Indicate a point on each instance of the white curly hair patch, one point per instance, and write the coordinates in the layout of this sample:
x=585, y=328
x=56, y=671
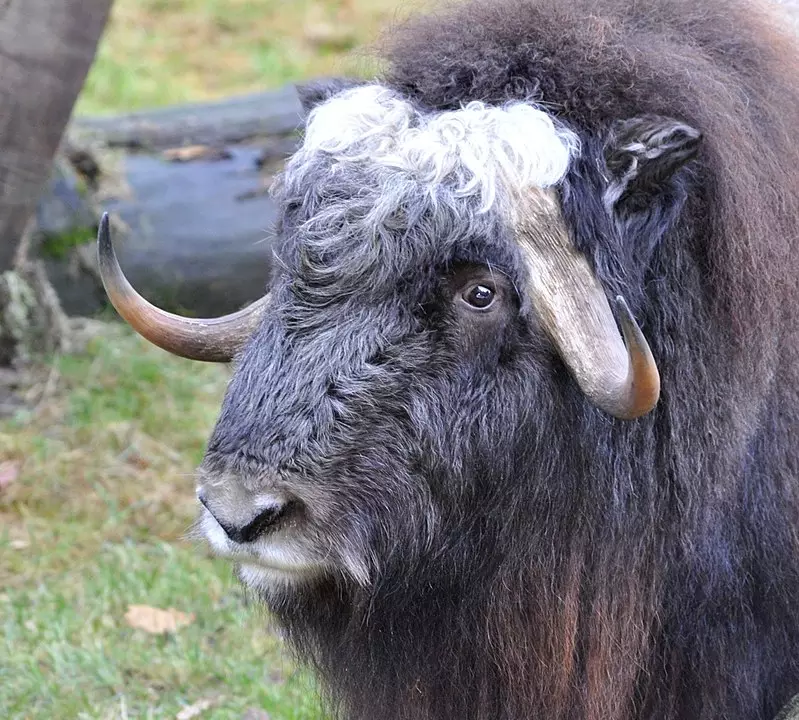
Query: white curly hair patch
x=479, y=150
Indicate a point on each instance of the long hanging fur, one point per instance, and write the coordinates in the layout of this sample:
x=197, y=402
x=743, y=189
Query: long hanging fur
x=696, y=616
x=576, y=567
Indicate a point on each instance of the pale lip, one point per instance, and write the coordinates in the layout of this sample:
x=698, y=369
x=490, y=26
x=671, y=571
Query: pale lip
x=268, y=560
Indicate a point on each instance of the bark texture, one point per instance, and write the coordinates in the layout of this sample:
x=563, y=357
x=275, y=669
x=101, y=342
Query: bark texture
x=46, y=49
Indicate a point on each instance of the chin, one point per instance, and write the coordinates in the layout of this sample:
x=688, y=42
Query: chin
x=270, y=579
x=276, y=560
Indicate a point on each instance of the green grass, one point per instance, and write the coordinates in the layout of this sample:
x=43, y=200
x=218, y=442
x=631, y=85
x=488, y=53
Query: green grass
x=159, y=52
x=94, y=523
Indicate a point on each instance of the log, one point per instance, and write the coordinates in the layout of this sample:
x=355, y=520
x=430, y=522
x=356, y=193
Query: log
x=199, y=231
x=187, y=188
x=234, y=120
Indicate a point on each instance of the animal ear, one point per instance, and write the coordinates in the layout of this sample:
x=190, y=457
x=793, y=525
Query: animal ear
x=315, y=92
x=643, y=154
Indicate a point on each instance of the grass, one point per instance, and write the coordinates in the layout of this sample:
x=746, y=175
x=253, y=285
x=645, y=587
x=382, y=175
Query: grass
x=94, y=522
x=158, y=52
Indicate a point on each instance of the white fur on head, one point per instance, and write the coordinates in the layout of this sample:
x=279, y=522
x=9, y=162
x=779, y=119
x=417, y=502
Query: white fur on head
x=476, y=151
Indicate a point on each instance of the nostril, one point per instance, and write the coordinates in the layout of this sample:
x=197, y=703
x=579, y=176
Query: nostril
x=266, y=520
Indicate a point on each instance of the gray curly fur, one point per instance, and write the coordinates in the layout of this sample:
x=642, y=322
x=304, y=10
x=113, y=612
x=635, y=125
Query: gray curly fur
x=790, y=711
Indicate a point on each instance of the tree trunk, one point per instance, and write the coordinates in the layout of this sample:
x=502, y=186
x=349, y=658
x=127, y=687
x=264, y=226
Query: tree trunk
x=46, y=49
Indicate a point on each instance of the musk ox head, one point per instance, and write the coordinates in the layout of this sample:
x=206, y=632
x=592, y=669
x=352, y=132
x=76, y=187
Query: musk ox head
x=409, y=358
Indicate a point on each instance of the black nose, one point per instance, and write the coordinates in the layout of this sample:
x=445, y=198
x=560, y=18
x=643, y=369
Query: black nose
x=266, y=520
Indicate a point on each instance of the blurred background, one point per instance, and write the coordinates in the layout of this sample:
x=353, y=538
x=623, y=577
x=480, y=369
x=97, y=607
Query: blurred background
x=106, y=609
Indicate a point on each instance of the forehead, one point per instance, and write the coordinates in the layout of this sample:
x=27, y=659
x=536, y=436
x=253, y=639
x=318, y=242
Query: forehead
x=377, y=179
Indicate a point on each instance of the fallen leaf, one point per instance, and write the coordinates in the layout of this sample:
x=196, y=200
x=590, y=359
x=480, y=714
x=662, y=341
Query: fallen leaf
x=9, y=472
x=157, y=621
x=196, y=709
x=196, y=152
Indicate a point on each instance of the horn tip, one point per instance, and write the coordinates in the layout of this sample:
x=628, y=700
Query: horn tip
x=648, y=377
x=629, y=326
x=104, y=245
x=621, y=304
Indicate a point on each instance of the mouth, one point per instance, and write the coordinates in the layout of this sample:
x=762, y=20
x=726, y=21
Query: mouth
x=275, y=557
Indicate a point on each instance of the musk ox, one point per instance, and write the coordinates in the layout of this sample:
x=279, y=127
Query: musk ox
x=463, y=490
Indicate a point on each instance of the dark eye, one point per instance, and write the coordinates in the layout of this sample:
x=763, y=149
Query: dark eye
x=479, y=296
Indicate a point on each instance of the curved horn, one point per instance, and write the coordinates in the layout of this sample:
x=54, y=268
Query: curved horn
x=211, y=340
x=622, y=380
